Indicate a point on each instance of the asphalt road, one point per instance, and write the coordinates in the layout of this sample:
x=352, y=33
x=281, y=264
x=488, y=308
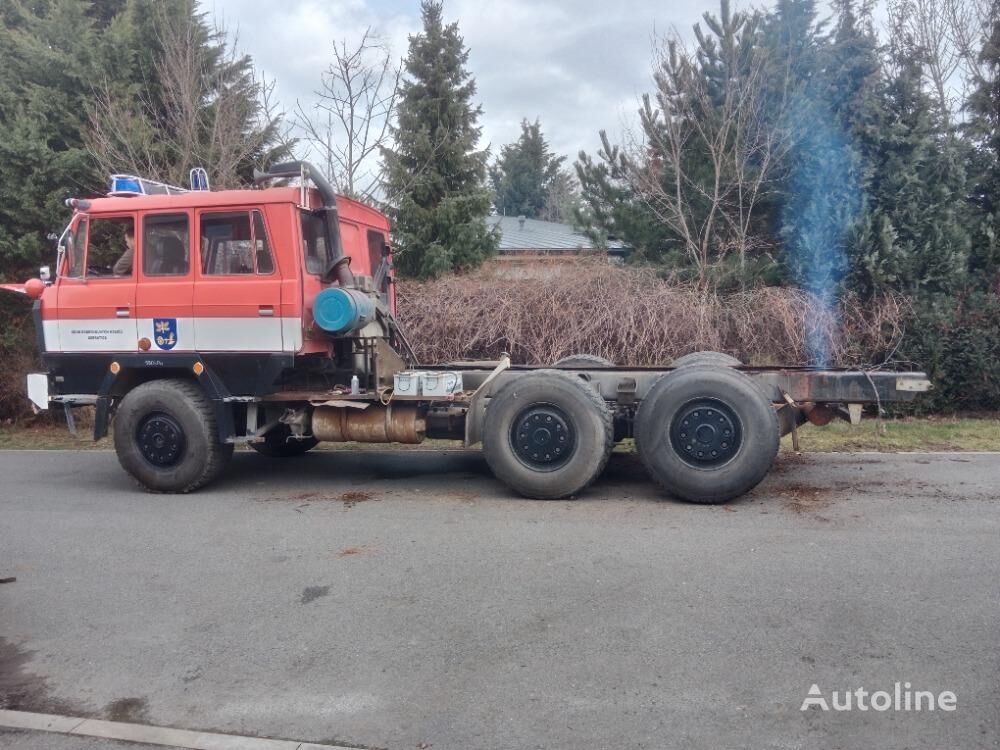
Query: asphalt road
x=407, y=600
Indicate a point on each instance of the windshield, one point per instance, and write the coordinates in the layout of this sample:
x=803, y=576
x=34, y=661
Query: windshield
x=314, y=245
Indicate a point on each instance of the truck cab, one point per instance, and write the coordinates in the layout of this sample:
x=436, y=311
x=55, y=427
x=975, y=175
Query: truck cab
x=234, y=271
x=230, y=278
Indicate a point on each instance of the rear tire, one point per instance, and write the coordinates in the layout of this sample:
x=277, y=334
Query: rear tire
x=547, y=435
x=706, y=433
x=591, y=361
x=277, y=444
x=166, y=437
x=706, y=358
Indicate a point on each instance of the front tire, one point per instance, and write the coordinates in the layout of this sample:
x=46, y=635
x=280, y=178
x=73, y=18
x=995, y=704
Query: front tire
x=166, y=437
x=547, y=435
x=707, y=433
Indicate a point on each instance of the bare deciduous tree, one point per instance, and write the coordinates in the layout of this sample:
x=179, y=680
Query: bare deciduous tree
x=349, y=123
x=948, y=35
x=707, y=150
x=561, y=198
x=926, y=25
x=208, y=110
x=969, y=23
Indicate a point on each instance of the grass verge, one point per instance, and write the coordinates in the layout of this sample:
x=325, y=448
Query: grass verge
x=894, y=435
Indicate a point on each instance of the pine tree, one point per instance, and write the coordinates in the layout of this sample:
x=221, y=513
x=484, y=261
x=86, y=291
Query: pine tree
x=63, y=60
x=829, y=111
x=984, y=165
x=47, y=51
x=435, y=177
x=686, y=194
x=181, y=98
x=914, y=238
x=612, y=208
x=524, y=173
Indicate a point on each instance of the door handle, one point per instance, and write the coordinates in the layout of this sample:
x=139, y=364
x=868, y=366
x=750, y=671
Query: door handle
x=265, y=311
x=122, y=312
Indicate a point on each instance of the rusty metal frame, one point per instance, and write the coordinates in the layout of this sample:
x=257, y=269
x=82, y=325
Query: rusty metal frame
x=803, y=385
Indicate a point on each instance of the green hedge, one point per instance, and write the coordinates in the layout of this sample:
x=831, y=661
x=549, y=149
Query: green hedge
x=956, y=340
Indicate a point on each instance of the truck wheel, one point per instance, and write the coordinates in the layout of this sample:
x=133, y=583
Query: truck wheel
x=706, y=433
x=166, y=437
x=277, y=444
x=547, y=434
x=584, y=360
x=706, y=358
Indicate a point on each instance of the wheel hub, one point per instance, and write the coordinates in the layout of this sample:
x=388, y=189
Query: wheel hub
x=542, y=437
x=706, y=433
x=160, y=439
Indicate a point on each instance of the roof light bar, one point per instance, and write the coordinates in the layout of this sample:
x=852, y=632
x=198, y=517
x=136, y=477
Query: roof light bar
x=130, y=186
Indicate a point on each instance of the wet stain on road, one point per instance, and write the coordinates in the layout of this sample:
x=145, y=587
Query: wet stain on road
x=353, y=497
x=132, y=710
x=351, y=551
x=21, y=690
x=312, y=593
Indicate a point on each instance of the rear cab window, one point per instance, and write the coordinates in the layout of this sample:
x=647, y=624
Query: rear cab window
x=378, y=259
x=318, y=256
x=235, y=243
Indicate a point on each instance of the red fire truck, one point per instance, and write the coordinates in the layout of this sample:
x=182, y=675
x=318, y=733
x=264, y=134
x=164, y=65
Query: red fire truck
x=195, y=321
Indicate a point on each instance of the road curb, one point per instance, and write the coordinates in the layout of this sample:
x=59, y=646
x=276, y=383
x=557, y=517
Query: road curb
x=148, y=734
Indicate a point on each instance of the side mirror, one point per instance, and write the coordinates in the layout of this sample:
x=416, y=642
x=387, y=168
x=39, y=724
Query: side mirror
x=45, y=274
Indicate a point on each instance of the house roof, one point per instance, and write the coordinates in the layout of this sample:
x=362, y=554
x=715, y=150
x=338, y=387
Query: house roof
x=535, y=234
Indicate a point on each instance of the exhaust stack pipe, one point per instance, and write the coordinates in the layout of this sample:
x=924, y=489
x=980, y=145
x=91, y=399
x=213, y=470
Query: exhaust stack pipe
x=342, y=273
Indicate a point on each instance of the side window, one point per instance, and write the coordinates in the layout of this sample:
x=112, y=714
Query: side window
x=235, y=243
x=166, y=245
x=110, y=247
x=377, y=255
x=265, y=260
x=375, y=244
x=76, y=245
x=314, y=242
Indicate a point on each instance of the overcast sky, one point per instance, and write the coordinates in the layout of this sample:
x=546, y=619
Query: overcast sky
x=578, y=65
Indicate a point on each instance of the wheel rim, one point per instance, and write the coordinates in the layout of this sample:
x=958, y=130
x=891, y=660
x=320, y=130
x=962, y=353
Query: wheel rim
x=543, y=437
x=706, y=433
x=160, y=439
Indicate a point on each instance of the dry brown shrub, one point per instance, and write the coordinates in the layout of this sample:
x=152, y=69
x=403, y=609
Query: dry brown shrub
x=633, y=317
x=18, y=356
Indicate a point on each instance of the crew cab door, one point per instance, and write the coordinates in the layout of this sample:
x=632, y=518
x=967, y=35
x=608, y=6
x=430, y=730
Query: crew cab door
x=237, y=298
x=95, y=306
x=166, y=282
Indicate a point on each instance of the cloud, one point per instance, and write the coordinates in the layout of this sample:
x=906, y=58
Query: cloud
x=577, y=65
